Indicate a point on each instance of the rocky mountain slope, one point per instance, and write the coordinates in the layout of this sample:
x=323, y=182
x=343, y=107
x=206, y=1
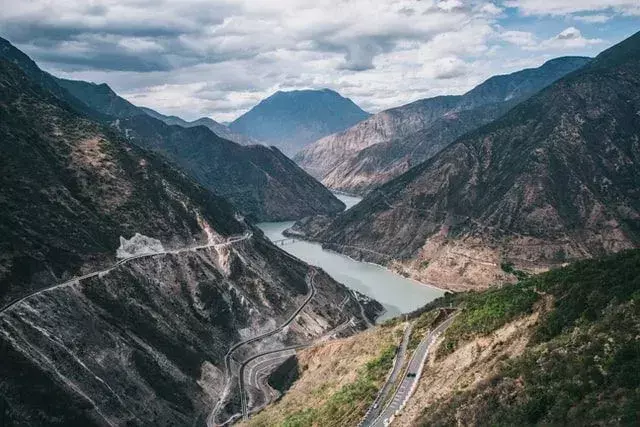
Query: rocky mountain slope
x=144, y=341
x=219, y=129
x=555, y=179
x=291, y=120
x=389, y=143
x=260, y=181
x=560, y=348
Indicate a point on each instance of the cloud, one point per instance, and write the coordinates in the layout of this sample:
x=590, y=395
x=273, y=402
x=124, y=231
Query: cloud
x=449, y=67
x=593, y=19
x=519, y=38
x=219, y=57
x=564, y=7
x=569, y=39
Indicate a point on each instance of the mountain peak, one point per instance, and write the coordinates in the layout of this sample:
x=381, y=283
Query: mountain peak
x=292, y=119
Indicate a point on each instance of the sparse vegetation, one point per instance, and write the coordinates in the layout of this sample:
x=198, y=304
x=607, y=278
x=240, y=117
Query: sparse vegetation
x=350, y=403
x=486, y=311
x=421, y=327
x=582, y=366
x=508, y=267
x=330, y=400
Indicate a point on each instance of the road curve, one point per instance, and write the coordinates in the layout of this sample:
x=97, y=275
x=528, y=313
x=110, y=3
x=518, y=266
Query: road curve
x=407, y=386
x=227, y=357
x=386, y=389
x=75, y=280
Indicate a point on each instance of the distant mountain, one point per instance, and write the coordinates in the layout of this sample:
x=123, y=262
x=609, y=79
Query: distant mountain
x=557, y=178
x=389, y=143
x=262, y=182
x=144, y=341
x=291, y=120
x=219, y=129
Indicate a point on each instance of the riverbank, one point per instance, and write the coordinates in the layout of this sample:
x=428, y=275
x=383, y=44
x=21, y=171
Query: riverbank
x=397, y=294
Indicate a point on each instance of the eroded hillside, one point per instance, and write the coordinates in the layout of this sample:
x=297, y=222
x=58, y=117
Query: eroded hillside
x=558, y=348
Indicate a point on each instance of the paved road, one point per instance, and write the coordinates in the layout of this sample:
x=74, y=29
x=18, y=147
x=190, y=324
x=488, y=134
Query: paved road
x=76, y=280
x=374, y=410
x=241, y=376
x=407, y=386
x=227, y=359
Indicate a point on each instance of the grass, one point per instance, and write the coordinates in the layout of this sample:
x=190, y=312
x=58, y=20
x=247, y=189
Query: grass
x=421, y=327
x=349, y=404
x=339, y=381
x=484, y=312
x=582, y=366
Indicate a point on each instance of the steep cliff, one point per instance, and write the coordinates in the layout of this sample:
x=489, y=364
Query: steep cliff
x=261, y=182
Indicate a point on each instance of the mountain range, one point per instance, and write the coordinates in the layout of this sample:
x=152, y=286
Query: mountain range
x=555, y=179
x=219, y=129
x=264, y=185
x=391, y=142
x=88, y=337
x=291, y=120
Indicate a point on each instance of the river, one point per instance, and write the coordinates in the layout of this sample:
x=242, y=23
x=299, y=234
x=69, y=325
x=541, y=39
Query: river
x=397, y=294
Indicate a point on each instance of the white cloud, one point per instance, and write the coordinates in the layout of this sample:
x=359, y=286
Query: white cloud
x=593, y=19
x=564, y=7
x=569, y=39
x=519, y=38
x=449, y=67
x=219, y=57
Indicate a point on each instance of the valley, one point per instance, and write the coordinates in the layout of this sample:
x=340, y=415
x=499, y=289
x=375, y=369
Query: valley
x=326, y=214
x=396, y=293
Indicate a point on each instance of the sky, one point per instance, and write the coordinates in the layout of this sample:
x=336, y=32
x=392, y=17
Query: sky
x=218, y=58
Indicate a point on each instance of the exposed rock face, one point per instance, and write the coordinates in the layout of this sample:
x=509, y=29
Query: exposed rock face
x=142, y=343
x=391, y=142
x=139, y=245
x=219, y=129
x=554, y=179
x=260, y=181
x=291, y=120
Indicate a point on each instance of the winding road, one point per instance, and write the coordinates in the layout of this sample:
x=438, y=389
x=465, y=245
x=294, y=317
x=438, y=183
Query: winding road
x=76, y=280
x=411, y=376
x=229, y=355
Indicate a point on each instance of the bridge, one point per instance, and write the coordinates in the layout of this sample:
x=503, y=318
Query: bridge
x=283, y=242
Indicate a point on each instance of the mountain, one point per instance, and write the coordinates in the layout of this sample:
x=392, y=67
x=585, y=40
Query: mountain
x=559, y=348
x=13, y=55
x=219, y=129
x=389, y=143
x=262, y=182
x=557, y=178
x=100, y=97
x=142, y=340
x=291, y=120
